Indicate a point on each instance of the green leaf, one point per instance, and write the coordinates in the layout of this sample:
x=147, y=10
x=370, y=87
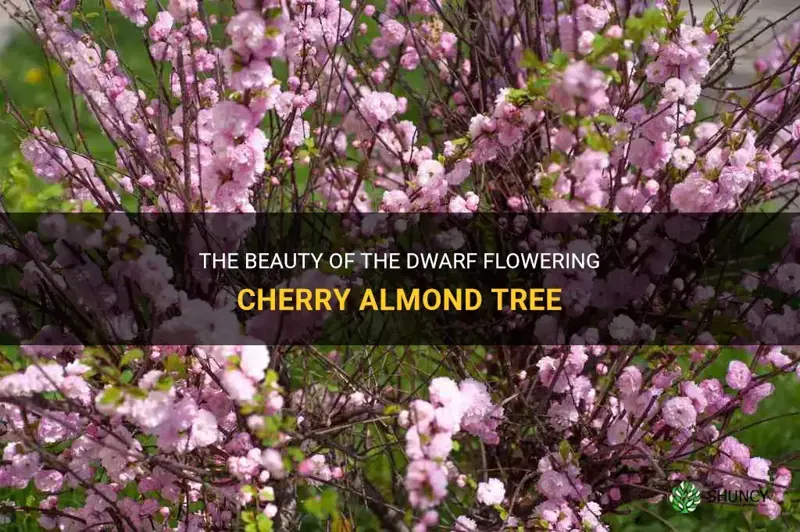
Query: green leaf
x=40, y=117
x=164, y=383
x=174, y=364
x=538, y=86
x=502, y=511
x=392, y=410
x=678, y=20
x=638, y=28
x=708, y=20
x=654, y=19
x=322, y=506
x=111, y=396
x=330, y=500
x=518, y=97
x=605, y=119
x=564, y=450
x=131, y=356
x=599, y=142
x=560, y=59
x=546, y=183
x=530, y=60
x=295, y=453
x=264, y=523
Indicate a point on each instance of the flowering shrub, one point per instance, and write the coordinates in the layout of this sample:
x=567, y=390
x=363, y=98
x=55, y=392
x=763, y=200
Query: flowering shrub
x=413, y=106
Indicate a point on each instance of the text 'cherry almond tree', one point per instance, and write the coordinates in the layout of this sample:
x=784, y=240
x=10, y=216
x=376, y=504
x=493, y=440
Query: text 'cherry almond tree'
x=409, y=265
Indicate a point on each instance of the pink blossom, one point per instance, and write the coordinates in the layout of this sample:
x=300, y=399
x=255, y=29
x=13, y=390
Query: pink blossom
x=554, y=485
x=755, y=395
x=49, y=481
x=133, y=10
x=674, y=89
x=273, y=462
x=395, y=201
x=465, y=524
x=783, y=479
x=758, y=469
x=738, y=376
x=238, y=385
x=622, y=328
x=491, y=492
x=736, y=451
x=618, y=432
x=182, y=9
x=444, y=392
x=248, y=31
x=232, y=119
x=204, y=431
x=162, y=26
x=254, y=361
x=429, y=172
x=426, y=483
x=410, y=59
x=796, y=130
x=378, y=107
x=481, y=417
x=683, y=158
x=694, y=194
x=630, y=381
x=591, y=18
x=393, y=32
x=679, y=413
x=769, y=509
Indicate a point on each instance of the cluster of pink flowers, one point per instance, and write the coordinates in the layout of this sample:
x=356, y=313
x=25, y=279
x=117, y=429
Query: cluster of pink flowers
x=432, y=426
x=651, y=405
x=575, y=107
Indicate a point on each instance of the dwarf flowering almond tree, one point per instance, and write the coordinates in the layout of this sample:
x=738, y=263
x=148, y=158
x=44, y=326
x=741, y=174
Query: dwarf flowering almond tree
x=410, y=106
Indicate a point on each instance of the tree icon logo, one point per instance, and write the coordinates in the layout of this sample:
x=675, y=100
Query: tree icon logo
x=685, y=497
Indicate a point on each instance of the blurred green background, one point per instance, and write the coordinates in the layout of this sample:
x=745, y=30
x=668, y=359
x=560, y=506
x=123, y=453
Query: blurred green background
x=37, y=88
